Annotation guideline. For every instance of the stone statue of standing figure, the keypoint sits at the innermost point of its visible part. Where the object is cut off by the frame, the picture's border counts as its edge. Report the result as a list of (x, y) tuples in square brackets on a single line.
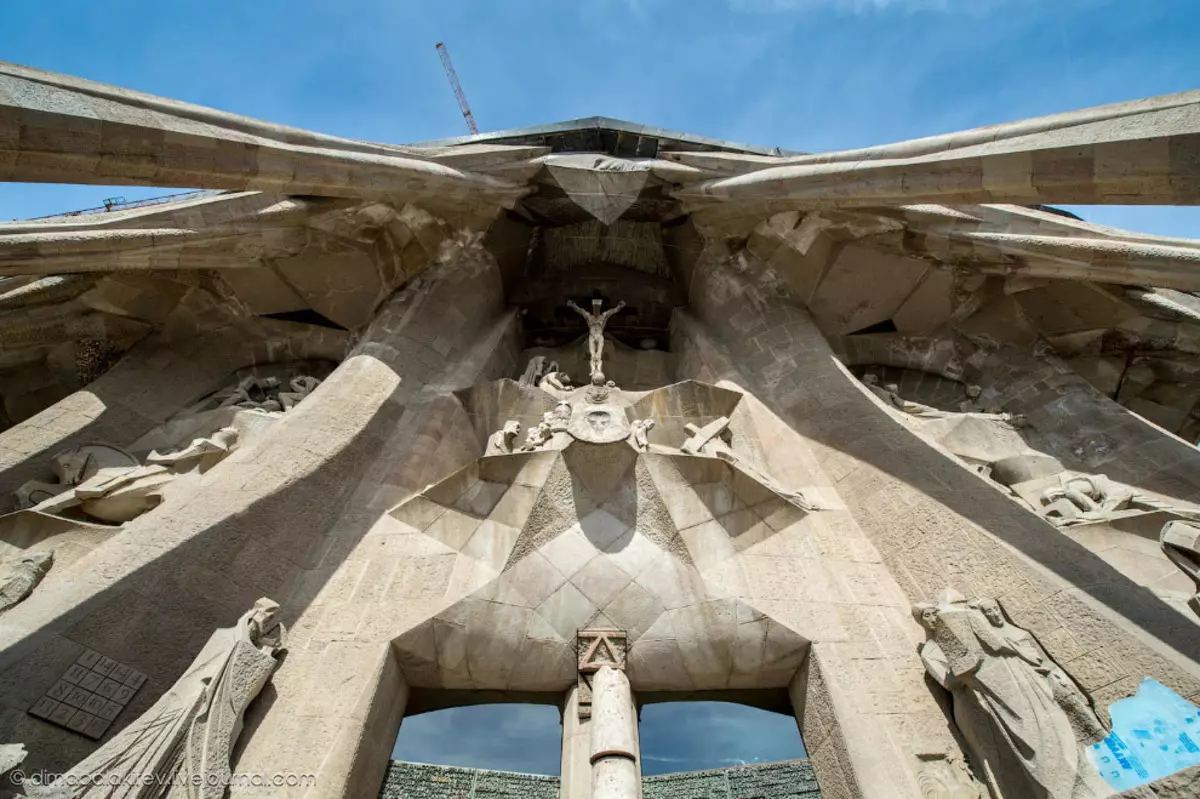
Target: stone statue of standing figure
[(595, 322), (1025, 722), (180, 747)]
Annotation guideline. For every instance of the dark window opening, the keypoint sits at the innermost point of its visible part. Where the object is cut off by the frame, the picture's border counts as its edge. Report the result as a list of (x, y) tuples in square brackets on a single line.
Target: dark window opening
[(305, 316), (886, 326)]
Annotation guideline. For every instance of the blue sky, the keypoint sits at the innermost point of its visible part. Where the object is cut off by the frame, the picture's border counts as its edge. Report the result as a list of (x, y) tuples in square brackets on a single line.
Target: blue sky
[(675, 736), (813, 75)]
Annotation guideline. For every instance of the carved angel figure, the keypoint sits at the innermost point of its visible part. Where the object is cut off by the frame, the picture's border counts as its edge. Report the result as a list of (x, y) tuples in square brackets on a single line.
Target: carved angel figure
[(180, 747)]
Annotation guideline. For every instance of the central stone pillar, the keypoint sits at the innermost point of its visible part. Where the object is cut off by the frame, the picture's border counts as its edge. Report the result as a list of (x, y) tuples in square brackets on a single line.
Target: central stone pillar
[(602, 723), (615, 772)]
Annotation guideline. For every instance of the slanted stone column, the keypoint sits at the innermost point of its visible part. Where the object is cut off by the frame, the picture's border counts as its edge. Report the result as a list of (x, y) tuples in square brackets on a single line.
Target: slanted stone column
[(615, 772)]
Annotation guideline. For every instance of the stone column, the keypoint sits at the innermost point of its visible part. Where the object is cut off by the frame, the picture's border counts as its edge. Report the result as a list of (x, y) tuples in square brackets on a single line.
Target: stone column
[(576, 774), (614, 750)]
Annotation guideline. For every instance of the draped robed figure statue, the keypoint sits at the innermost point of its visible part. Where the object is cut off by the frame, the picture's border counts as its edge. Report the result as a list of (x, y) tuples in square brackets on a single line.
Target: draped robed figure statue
[(1025, 722), (180, 747)]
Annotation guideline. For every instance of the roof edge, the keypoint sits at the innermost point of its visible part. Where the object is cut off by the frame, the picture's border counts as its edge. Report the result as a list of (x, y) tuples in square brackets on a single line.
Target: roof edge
[(598, 122)]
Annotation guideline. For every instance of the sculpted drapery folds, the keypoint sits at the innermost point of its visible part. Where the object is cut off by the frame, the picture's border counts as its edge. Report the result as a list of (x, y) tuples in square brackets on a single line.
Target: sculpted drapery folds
[(185, 739), (1024, 721)]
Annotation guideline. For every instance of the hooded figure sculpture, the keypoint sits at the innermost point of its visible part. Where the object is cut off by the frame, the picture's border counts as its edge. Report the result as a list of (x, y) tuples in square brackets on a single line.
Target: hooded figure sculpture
[(180, 747)]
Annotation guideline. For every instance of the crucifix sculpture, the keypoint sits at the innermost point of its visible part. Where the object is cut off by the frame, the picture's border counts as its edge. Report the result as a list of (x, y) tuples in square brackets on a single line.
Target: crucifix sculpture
[(595, 322)]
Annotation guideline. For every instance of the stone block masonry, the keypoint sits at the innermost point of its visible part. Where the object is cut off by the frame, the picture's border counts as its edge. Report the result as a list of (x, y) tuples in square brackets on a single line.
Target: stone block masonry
[(422, 781), (791, 779)]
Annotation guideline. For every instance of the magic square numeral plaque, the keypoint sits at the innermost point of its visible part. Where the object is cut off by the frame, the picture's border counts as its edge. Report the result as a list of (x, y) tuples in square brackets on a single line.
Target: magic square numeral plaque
[(90, 695)]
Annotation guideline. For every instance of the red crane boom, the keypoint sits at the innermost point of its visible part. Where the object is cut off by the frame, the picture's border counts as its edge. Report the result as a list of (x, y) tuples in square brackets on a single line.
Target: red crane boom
[(458, 92)]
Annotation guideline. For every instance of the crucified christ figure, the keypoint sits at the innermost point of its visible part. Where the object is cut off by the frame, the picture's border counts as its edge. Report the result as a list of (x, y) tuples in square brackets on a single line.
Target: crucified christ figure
[(595, 322)]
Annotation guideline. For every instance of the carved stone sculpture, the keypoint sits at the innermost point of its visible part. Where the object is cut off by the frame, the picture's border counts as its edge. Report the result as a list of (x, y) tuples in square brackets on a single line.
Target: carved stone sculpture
[(972, 404), (11, 756), (251, 392), (890, 394), (504, 440), (599, 424), (202, 453), (1180, 541), (598, 393), (1094, 496), (1026, 724), (533, 371), (538, 368), (119, 494), (72, 467), (713, 440), (20, 576), (1081, 498), (265, 394), (301, 387), (641, 433), (560, 417), (537, 436), (181, 746), (595, 322), (555, 381), (944, 775)]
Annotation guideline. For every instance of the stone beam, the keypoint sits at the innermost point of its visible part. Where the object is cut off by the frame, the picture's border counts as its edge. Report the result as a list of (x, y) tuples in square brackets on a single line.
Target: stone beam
[(1098, 260), (218, 232), (1141, 152), (226, 246), (59, 129)]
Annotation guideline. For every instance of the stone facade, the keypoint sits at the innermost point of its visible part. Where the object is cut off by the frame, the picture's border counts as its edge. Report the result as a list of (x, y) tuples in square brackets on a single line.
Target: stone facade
[(594, 415)]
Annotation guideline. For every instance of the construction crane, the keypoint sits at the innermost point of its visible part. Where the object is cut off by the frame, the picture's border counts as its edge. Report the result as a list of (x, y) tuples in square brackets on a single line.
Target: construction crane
[(458, 92)]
